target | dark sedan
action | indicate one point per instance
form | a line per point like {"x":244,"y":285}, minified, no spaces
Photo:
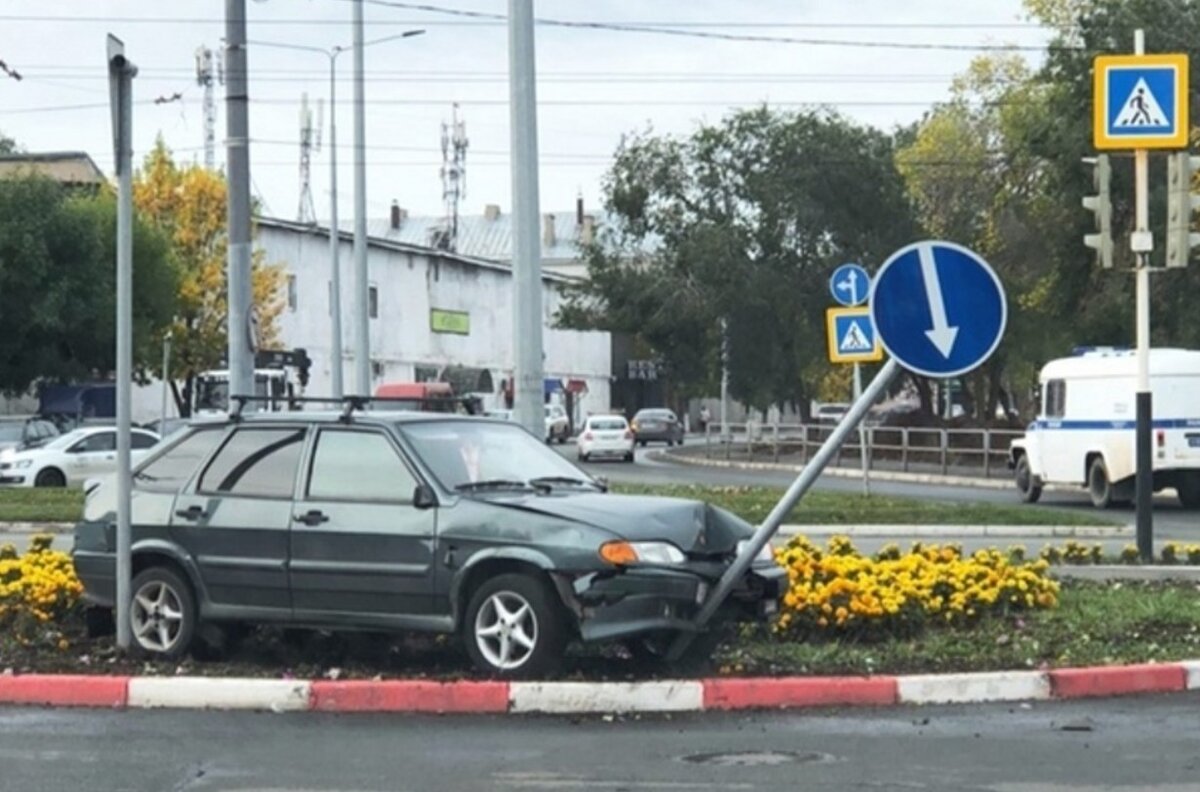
{"x":407,"y":521}
{"x":657,"y":426}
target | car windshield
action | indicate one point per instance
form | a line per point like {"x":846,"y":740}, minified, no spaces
{"x":11,"y":432}
{"x":66,"y":440}
{"x":460,"y":453}
{"x":655,"y":415}
{"x":606,"y":424}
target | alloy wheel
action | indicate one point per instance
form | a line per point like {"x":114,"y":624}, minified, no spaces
{"x":156,"y":616}
{"x":506,"y":630}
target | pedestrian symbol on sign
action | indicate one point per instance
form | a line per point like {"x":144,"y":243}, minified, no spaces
{"x":1140,"y":109}
{"x":855,"y":340}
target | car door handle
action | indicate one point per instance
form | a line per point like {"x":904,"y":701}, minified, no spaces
{"x":190,"y":513}
{"x":314,"y":517}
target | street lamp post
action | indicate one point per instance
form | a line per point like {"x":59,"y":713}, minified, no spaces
{"x":335,"y":277}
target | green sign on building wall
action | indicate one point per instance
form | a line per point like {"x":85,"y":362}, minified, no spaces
{"x":457,"y":322}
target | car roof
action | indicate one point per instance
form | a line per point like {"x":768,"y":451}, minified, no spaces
{"x":336,"y":416}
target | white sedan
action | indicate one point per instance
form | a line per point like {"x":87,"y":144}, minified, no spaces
{"x":71,"y":459}
{"x":606,"y":435}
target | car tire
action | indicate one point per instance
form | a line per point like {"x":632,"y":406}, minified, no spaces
{"x":507,"y":606}
{"x":642,"y":443}
{"x":629,"y":457}
{"x":1188,"y":489}
{"x":162,"y":613}
{"x":1027,"y":485}
{"x":584,"y":457}
{"x":650,"y":651}
{"x":50,"y":477}
{"x":1099,"y":487}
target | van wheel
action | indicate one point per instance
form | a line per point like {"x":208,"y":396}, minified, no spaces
{"x":1188,"y":488}
{"x":1029,"y":488}
{"x":1099,"y":487}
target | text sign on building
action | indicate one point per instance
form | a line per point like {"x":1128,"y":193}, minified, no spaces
{"x":1140,"y":101}
{"x":456,"y":322}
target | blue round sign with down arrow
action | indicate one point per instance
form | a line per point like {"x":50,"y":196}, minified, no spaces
{"x":938,"y":308}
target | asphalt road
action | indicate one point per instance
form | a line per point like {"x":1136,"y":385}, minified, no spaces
{"x":1145,"y":743}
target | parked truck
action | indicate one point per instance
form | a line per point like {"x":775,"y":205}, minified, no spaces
{"x":1085,"y":429}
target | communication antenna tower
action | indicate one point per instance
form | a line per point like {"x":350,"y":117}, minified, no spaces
{"x":310,"y":143}
{"x":454,"y":172}
{"x":209,"y":71}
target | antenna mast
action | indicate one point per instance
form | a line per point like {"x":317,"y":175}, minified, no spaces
{"x":310,"y":143}
{"x":209,"y":71}
{"x":454,"y":172}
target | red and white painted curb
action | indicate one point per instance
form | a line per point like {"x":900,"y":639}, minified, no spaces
{"x":692,"y":695}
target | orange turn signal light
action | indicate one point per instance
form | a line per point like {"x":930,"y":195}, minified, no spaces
{"x":618,"y":553}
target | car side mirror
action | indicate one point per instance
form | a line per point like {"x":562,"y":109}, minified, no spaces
{"x":424,"y":497}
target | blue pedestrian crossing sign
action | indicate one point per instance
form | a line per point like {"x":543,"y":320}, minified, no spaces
{"x":850,"y":284}
{"x":851,"y":335}
{"x":938,"y":308}
{"x":1140,"y":102}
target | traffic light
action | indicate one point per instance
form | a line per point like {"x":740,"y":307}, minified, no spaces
{"x":1100,"y":205}
{"x":1180,"y":205}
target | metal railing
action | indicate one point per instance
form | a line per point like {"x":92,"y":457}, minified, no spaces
{"x":945,"y":451}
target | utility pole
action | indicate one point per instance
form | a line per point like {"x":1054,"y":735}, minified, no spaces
{"x":1142,"y":243}
{"x":362,"y":322}
{"x":527,"y":268}
{"x":335,"y":239}
{"x":237,"y":157}
{"x":120,"y":82}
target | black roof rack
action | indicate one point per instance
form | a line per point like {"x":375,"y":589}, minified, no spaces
{"x":351,"y":404}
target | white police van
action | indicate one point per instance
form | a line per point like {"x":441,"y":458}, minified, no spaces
{"x":1085,"y":429}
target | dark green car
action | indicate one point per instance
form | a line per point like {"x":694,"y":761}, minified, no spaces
{"x":406,"y":521}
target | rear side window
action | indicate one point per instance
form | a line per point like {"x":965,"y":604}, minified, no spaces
{"x":137,"y":440}
{"x":255,"y":463}
{"x":170,"y":471}
{"x":1056,"y":399}
{"x":96,"y":443}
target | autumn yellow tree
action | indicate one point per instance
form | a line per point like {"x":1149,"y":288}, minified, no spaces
{"x":188,"y":203}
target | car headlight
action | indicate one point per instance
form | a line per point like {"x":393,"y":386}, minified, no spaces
{"x":621,"y":553}
{"x":765,"y":554}
{"x":21,"y":464}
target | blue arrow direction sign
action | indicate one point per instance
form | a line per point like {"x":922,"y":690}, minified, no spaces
{"x":938,"y":308}
{"x":850,"y":284}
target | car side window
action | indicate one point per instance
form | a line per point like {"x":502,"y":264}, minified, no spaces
{"x":96,"y":443}
{"x":169,"y":472}
{"x":137,"y":440}
{"x":1056,"y":399}
{"x":356,"y":465}
{"x":255,"y":463}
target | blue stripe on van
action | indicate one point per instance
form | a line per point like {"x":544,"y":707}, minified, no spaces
{"x":1167,"y":423}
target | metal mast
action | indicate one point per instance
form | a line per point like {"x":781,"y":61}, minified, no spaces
{"x":454,"y":172}
{"x":310,"y":143}
{"x":208,"y":73}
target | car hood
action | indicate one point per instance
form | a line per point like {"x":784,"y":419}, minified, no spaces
{"x":693,"y":526}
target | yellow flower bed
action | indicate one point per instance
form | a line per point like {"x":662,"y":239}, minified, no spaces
{"x":839,"y":591}
{"x":35,"y":588}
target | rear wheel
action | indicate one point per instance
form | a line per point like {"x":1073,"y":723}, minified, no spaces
{"x":514,"y":626}
{"x":50,"y":477}
{"x":1188,"y":488}
{"x":1027,"y":485}
{"x":162,"y":614}
{"x":1099,"y":487}
{"x":629,"y":457}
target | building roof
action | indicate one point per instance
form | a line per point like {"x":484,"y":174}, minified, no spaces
{"x":486,"y":236}
{"x":394,"y":243}
{"x":67,"y":167}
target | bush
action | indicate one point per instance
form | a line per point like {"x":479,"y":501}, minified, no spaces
{"x":37,"y":590}
{"x":840,"y":592}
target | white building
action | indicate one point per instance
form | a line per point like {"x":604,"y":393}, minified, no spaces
{"x":430,"y":309}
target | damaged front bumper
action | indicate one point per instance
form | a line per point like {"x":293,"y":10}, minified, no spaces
{"x":637,"y":600}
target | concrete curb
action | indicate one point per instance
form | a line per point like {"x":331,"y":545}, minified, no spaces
{"x":686,"y":695}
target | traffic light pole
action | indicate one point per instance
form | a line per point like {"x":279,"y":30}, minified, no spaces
{"x":1142,"y":243}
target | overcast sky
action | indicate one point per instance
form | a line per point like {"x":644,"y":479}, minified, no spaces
{"x":594,"y":84}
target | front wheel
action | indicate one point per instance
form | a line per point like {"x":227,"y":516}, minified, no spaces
{"x":1099,"y":486}
{"x":50,"y":478}
{"x":1188,"y":488}
{"x":1027,"y":485}
{"x":162,"y":615}
{"x":514,"y":626}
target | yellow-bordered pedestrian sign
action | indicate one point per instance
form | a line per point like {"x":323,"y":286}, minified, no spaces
{"x":1140,"y":101}
{"x":851,"y":334}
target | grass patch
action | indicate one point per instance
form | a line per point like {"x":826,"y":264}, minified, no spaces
{"x":1095,"y":624}
{"x":843,"y":508}
{"x":41,"y":504}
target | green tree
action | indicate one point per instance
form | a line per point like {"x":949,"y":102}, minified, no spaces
{"x":740,"y":223}
{"x":57,"y":285}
